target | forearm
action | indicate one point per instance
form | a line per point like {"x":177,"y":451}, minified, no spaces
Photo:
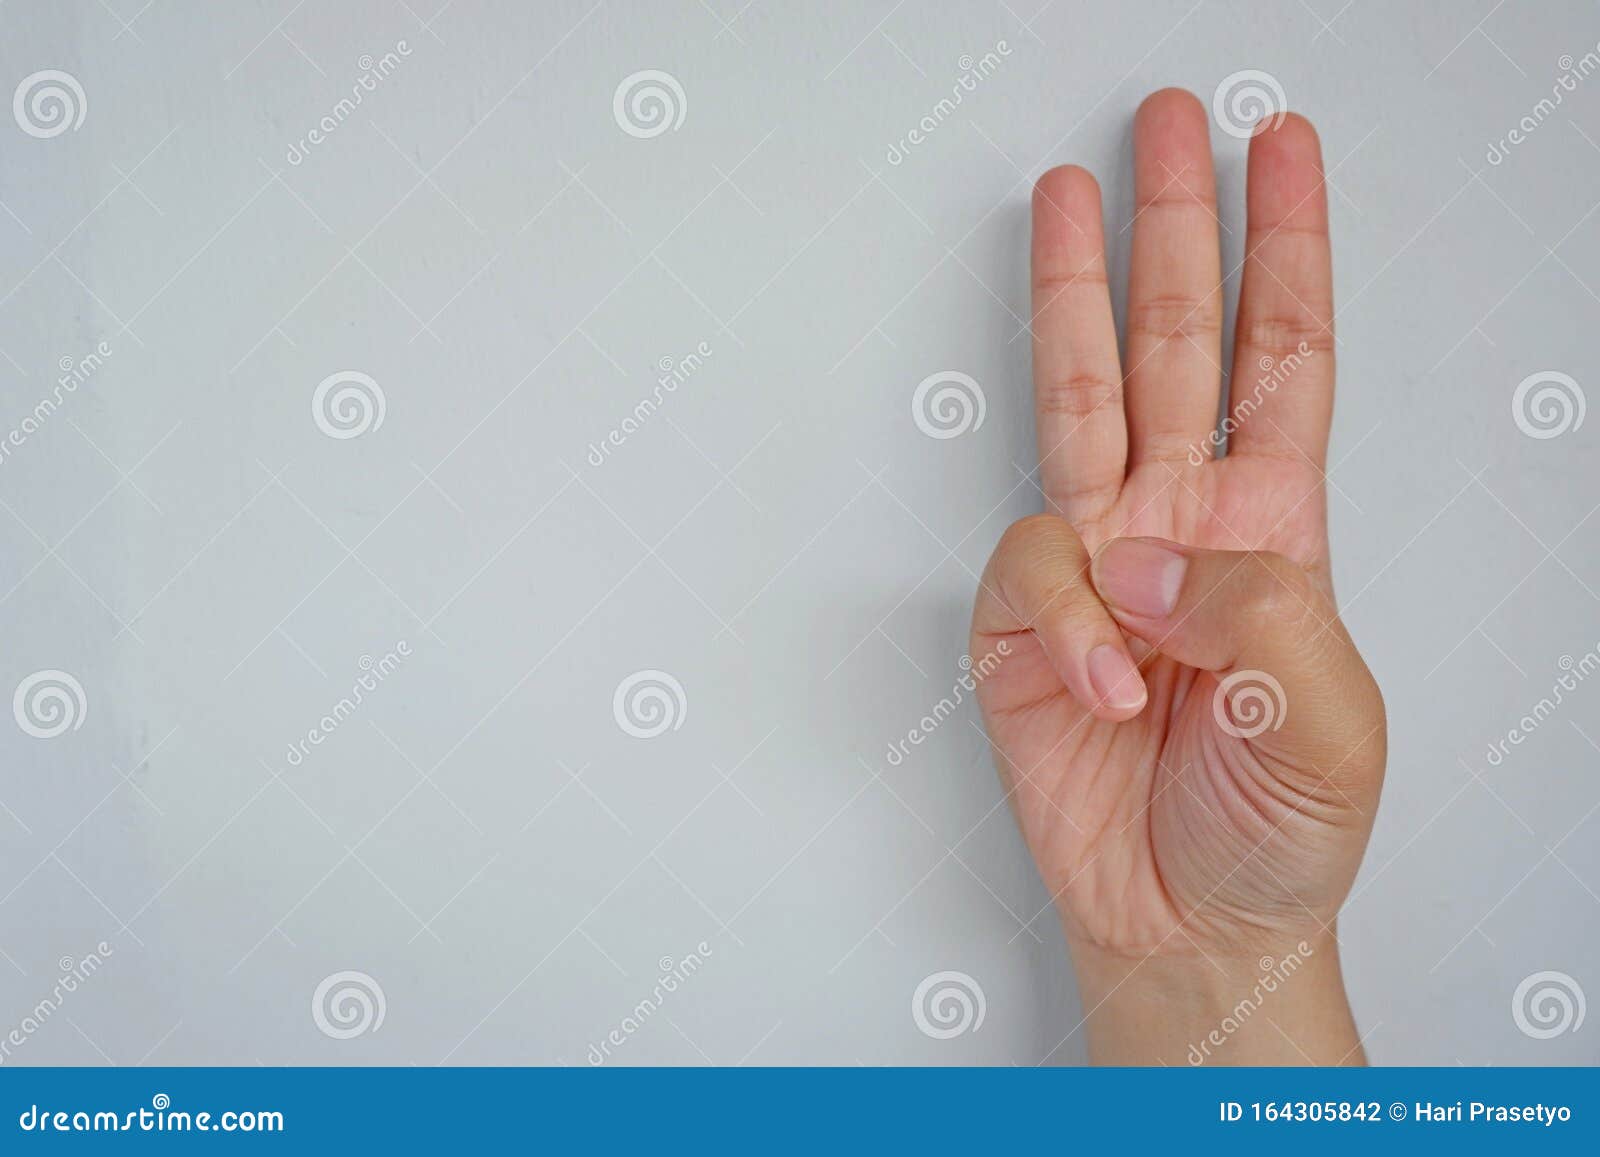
{"x":1285,"y":1007}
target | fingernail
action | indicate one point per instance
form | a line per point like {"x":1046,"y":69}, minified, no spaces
{"x":1139,"y":577}
{"x":1115,"y":679}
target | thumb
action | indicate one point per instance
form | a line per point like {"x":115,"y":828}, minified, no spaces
{"x":1287,"y":675}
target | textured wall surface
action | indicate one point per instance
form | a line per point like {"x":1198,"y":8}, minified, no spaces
{"x":349,"y":300}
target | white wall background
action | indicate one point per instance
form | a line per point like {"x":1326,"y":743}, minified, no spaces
{"x":482,"y":239}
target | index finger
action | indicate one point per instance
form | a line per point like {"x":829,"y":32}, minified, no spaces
{"x":1077,"y":376}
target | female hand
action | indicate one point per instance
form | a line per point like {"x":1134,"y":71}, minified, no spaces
{"x":1193,"y":745}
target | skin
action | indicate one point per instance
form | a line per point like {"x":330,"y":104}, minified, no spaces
{"x":1188,"y":857}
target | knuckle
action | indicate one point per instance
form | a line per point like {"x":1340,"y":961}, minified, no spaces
{"x":1281,"y":335}
{"x":1184,"y":193}
{"x":1174,"y":448}
{"x":1023,"y":535}
{"x":1079,"y":394}
{"x":1166,"y":317}
{"x":1288,"y":231}
{"x":1063,"y":606}
{"x":1057,"y":276}
{"x":1275,"y":593}
{"x":1042,"y":551}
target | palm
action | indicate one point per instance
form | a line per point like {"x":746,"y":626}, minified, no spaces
{"x":1102,"y":808}
{"x":1165,"y":821}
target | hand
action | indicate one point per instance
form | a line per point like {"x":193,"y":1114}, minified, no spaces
{"x":1193,"y":745}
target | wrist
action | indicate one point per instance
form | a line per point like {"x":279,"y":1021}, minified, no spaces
{"x":1279,"y":1002}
